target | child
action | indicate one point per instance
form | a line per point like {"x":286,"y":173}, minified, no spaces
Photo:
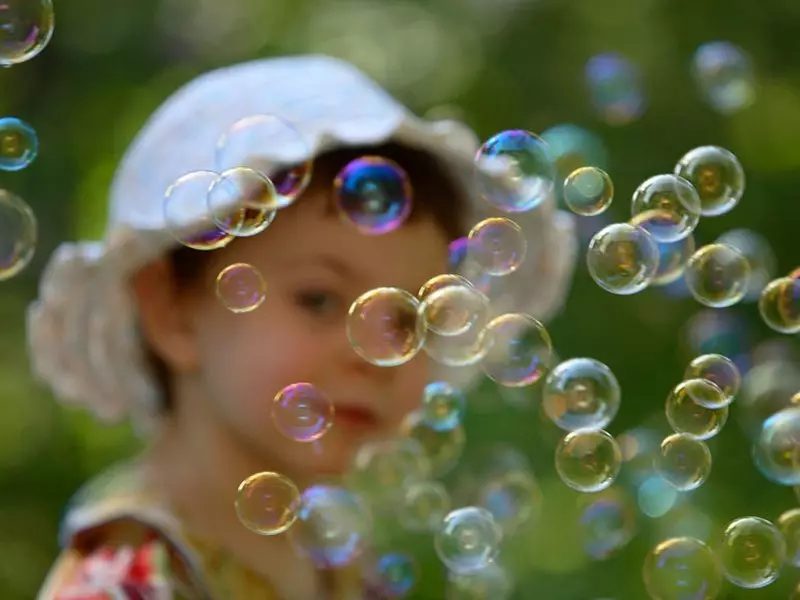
{"x":131,"y":327}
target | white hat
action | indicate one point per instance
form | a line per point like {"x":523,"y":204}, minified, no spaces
{"x":83,"y":335}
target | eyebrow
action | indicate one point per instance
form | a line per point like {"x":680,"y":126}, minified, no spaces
{"x":327,"y":261}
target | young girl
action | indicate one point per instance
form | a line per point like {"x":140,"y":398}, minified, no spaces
{"x":131,"y":327}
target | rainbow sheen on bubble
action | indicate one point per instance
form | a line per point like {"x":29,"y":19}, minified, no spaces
{"x":302,"y":413}
{"x":687,"y":416}
{"x":240,"y":288}
{"x":672,"y":256}
{"x":588,"y":460}
{"x":468,"y":539}
{"x":719,"y":370}
{"x":394,"y":575}
{"x":779,"y":305}
{"x":242,"y":202}
{"x":753,"y":552}
{"x":759,"y":254}
{"x":615,"y":88}
{"x":683,"y":461}
{"x":622,"y":259}
{"x":19,"y":234}
{"x":723,"y":74}
{"x":443,"y":405}
{"x":581,"y":393}
{"x":607,"y":522}
{"x":717,"y":275}
{"x":266,"y":503}
{"x":453,"y":309}
{"x":424,"y":506}
{"x":776,"y":450}
{"x":498,"y":245}
{"x":26,"y":27}
{"x":443,"y":448}
{"x":682,"y":568}
{"x":588,"y":191}
{"x":672,"y":195}
{"x":519,"y":350}
{"x":717,"y":175}
{"x":19,"y":144}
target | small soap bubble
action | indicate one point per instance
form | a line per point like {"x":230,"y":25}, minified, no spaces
{"x":468,"y":539}
{"x":672,"y":256}
{"x":442,"y":448}
{"x":607,"y":523}
{"x":442,"y":405}
{"x":527,"y":165}
{"x":717,"y":275}
{"x":588,"y":191}
{"x":683,"y":462}
{"x":19,"y":235}
{"x":685,"y":415}
{"x":394,"y":575}
{"x":622,"y":258}
{"x":440,"y":282}
{"x":497,"y":245}
{"x":719,"y":370}
{"x":779,"y":305}
{"x":463,"y":350}
{"x":581,"y":393}
{"x":26,"y":27}
{"x":268,"y":144}
{"x":615,"y":88}
{"x":682,"y":568}
{"x":241,"y":288}
{"x":373,"y":194}
{"x":302,"y":413}
{"x":381,"y":469}
{"x":454,"y":309}
{"x":491,"y":582}
{"x":385,"y":326}
{"x":588,"y":460}
{"x":753,"y":552}
{"x":505,"y":485}
{"x":717,"y":175}
{"x":758,"y":252}
{"x":776,"y":451}
{"x":19,"y":143}
{"x":425,"y":505}
{"x":789,"y":526}
{"x":674,"y":196}
{"x":266,"y":503}
{"x":242,"y":202}
{"x":573,"y":147}
{"x":724,"y":75}
{"x":519,"y":350}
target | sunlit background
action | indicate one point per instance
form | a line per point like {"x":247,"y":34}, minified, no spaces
{"x":499,"y":64}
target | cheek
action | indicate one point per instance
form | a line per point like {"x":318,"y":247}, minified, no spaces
{"x":410,"y":384}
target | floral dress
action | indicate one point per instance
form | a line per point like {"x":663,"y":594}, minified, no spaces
{"x":120,"y":543}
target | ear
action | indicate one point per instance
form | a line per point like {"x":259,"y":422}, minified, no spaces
{"x":163,"y":317}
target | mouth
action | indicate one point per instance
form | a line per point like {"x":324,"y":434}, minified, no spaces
{"x":355,"y":417}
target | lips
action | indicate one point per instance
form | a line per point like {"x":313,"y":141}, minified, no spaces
{"x":355,"y":416}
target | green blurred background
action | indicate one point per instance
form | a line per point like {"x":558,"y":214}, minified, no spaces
{"x":498,"y":64}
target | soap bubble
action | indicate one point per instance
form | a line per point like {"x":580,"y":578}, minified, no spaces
{"x":442,"y":405}
{"x":615,"y":88}
{"x":588,"y":191}
{"x":717,"y":176}
{"x":266,"y":503}
{"x":381,"y":469}
{"x":19,"y":144}
{"x":497,"y":245}
{"x":687,"y":416}
{"x":519,"y":350}
{"x":683,"y":462}
{"x":241,"y":288}
{"x":719,"y":370}
{"x":779,"y":305}
{"x":717,"y":275}
{"x":453,"y":309}
{"x":394,"y":575}
{"x":789,"y":526}
{"x":581,"y":393}
{"x":672,"y":256}
{"x":425,"y":505}
{"x":724,"y":75}
{"x":588,"y":460}
{"x":468,"y":539}
{"x":573,"y":147}
{"x":622,"y":259}
{"x":18,"y":235}
{"x":242,"y":202}
{"x":302,"y":413}
{"x":443,"y":448}
{"x":682,"y":568}
{"x":776,"y":451}
{"x":668,"y":195}
{"x":758,"y":252}
{"x":752,"y":553}
{"x":607,"y":522}
{"x":26,"y":27}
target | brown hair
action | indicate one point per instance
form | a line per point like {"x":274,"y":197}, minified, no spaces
{"x":436,"y":194}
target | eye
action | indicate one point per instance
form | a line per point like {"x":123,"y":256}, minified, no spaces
{"x":320,"y":302}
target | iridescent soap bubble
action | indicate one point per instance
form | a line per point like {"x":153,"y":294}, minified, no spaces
{"x":457,"y":254}
{"x":271,"y":146}
{"x":622,"y":259}
{"x":776,"y":451}
{"x":672,"y":195}
{"x":588,"y":191}
{"x":717,"y":275}
{"x":468,"y":539}
{"x":453,"y":309}
{"x":719,"y":370}
{"x":382,"y":468}
{"x":443,"y":448}
{"x":19,"y":234}
{"x":672,"y":256}
{"x":779,"y":305}
{"x":266,"y":503}
{"x":607,"y":523}
{"x":752,"y":553}
{"x":332,"y":526}
{"x":615,"y":88}
{"x":717,"y":175}
{"x":19,"y":144}
{"x":581,"y":393}
{"x":518,"y":350}
{"x":302,"y":413}
{"x":434,"y":284}
{"x":425,"y":505}
{"x":442,"y":405}
{"x":385,"y":326}
{"x":26,"y":27}
{"x":588,"y":460}
{"x":789,"y":526}
{"x":573,"y":147}
{"x":241,"y":288}
{"x":394,"y":575}
{"x":684,"y":462}
{"x":685,"y":415}
{"x":526,"y":165}
{"x":242,"y":202}
{"x":724,"y":75}
{"x":682,"y":568}
{"x":458,"y":351}
{"x":491,"y":582}
{"x":373,"y":194}
{"x":758,"y":252}
{"x":497,"y":245}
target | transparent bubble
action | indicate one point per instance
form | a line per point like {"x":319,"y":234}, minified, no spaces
{"x":434,"y":284}
{"x":776,"y":451}
{"x":302,"y":413}
{"x":187,"y":217}
{"x":241,"y":288}
{"x":454,"y":309}
{"x":242,"y":202}
{"x":19,"y":234}
{"x":685,"y":415}
{"x":468,"y":539}
{"x":607,"y":523}
{"x":443,"y":448}
{"x":758,"y":252}
{"x":588,"y":460}
{"x":529,"y":169}
{"x":672,"y":256}
{"x":26,"y":27}
{"x":752,"y":553}
{"x":674,"y":196}
{"x":656,"y":497}
{"x":394,"y":575}
{"x":266,"y":144}
{"x":19,"y":144}
{"x":425,"y":505}
{"x":684,"y":462}
{"x":491,"y":582}
{"x":573,"y":147}
{"x":615,"y":88}
{"x":518,"y":350}
{"x":717,"y":275}
{"x":385,"y":326}
{"x":789,"y":526}
{"x":588,"y":191}
{"x":381,"y":469}
{"x":682,"y":568}
{"x":779,"y":305}
{"x":719,"y":370}
{"x":497,"y":245}
{"x":266,"y":503}
{"x":507,"y":488}
{"x":717,"y":175}
{"x":457,"y":255}
{"x":332,"y":526}
{"x":442,"y":405}
{"x":622,"y":259}
{"x":724,"y":75}
{"x":581,"y":393}
{"x":463,"y":350}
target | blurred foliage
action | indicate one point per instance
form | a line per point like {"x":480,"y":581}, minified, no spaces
{"x":503,"y":64}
